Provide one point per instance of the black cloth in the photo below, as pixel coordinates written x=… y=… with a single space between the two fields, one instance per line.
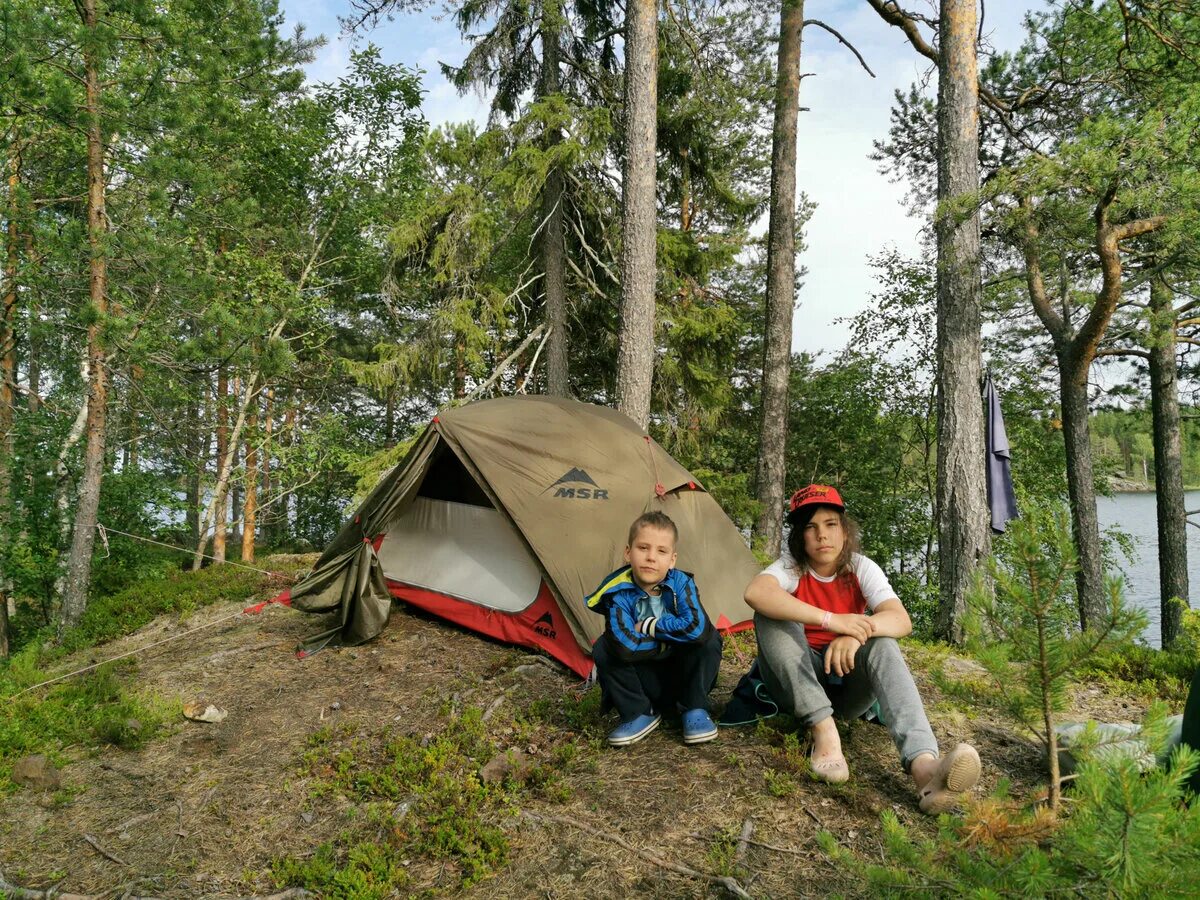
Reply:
x=750 y=701
x=1191 y=726
x=680 y=674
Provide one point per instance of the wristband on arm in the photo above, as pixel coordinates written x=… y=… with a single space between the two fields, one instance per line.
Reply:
x=825 y=620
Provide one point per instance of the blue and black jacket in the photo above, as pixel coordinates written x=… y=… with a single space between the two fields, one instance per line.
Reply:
x=683 y=622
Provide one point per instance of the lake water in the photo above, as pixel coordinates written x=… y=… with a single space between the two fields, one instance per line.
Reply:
x=1135 y=514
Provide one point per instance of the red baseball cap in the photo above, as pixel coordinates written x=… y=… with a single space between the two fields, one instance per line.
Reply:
x=815 y=495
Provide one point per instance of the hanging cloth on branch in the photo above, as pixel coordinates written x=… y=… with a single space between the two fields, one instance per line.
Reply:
x=1002 y=501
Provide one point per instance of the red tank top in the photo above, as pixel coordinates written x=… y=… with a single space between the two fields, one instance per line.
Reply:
x=840 y=596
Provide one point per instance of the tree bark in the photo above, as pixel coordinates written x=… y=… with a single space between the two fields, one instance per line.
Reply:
x=79 y=560
x=1081 y=487
x=196 y=453
x=781 y=281
x=554 y=269
x=219 y=497
x=1168 y=461
x=963 y=523
x=635 y=353
x=8 y=372
x=268 y=429
x=250 y=506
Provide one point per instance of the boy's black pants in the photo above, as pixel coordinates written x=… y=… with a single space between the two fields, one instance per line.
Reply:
x=683 y=674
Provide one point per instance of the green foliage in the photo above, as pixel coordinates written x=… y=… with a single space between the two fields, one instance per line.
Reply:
x=1022 y=628
x=96 y=708
x=88 y=711
x=427 y=797
x=364 y=871
x=1127 y=833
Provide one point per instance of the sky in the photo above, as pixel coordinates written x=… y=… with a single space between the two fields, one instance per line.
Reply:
x=859 y=212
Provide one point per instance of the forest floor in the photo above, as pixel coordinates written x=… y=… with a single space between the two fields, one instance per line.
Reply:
x=356 y=773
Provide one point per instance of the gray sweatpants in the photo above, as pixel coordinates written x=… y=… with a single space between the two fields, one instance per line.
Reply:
x=795 y=675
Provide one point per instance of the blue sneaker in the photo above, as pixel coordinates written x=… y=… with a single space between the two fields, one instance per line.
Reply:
x=633 y=731
x=698 y=727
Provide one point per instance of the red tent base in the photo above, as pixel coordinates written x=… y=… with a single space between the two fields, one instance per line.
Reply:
x=540 y=625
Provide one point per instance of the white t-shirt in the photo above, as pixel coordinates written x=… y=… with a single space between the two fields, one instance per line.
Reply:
x=872 y=582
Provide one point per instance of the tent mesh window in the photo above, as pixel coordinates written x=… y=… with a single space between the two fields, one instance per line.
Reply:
x=447 y=479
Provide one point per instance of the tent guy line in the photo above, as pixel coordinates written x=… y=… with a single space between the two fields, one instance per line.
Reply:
x=248 y=611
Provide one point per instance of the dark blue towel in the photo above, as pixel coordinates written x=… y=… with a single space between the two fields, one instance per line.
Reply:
x=1001 y=499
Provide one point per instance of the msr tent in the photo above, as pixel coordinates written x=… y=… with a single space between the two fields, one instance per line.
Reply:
x=506 y=512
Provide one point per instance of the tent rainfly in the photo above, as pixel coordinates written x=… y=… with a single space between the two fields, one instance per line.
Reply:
x=506 y=513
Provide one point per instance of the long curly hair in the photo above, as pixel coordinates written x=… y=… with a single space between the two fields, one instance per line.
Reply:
x=799 y=521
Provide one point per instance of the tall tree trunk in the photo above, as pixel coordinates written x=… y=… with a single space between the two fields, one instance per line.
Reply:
x=218 y=507
x=781 y=280
x=250 y=507
x=635 y=353
x=8 y=373
x=196 y=454
x=33 y=359
x=79 y=560
x=219 y=496
x=290 y=418
x=1168 y=461
x=963 y=523
x=1081 y=487
x=136 y=374
x=554 y=283
x=268 y=429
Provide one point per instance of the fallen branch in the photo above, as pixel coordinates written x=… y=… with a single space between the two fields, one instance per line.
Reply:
x=726 y=881
x=8 y=889
x=491 y=710
x=96 y=845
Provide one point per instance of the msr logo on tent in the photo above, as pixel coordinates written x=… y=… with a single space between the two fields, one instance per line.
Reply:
x=564 y=487
x=545 y=626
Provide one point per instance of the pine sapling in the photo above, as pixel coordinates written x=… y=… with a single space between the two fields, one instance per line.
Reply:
x=1026 y=634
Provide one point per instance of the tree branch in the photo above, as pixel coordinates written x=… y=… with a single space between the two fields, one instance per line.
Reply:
x=838 y=35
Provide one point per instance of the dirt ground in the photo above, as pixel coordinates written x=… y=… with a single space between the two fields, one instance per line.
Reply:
x=204 y=810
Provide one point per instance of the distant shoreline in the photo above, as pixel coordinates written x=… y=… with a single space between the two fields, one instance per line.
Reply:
x=1125 y=486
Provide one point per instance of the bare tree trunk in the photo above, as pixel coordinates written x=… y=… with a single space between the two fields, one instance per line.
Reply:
x=290 y=418
x=1168 y=461
x=136 y=374
x=963 y=535
x=250 y=507
x=79 y=561
x=218 y=507
x=554 y=282
x=219 y=497
x=635 y=353
x=8 y=373
x=33 y=360
x=1081 y=488
x=781 y=281
x=268 y=429
x=195 y=455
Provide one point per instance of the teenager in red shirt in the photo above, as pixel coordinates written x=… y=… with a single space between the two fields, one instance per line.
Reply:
x=827 y=621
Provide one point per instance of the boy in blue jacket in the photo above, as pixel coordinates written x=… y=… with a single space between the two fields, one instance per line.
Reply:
x=658 y=651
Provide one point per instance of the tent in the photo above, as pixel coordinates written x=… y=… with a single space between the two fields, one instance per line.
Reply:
x=506 y=512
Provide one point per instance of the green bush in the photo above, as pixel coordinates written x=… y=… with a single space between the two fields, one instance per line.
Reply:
x=95 y=708
x=1126 y=833
x=424 y=795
